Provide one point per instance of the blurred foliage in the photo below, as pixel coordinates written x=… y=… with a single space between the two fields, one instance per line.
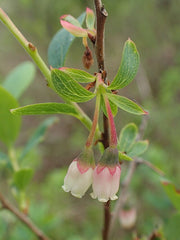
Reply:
x=154 y=26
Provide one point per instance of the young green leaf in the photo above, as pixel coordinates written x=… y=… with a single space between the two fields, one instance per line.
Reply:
x=126 y=104
x=37 y=136
x=71 y=20
x=128 y=68
x=79 y=75
x=19 y=79
x=90 y=19
x=74 y=29
x=173 y=193
x=138 y=148
x=9 y=124
x=22 y=178
x=127 y=137
x=60 y=45
x=123 y=156
x=114 y=108
x=45 y=108
x=68 y=88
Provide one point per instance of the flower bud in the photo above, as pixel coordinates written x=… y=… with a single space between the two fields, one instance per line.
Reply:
x=79 y=176
x=127 y=218
x=87 y=58
x=106 y=176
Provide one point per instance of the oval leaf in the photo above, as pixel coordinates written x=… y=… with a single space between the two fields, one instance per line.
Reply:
x=45 y=108
x=126 y=104
x=60 y=45
x=128 y=68
x=9 y=124
x=19 y=79
x=173 y=193
x=127 y=137
x=79 y=75
x=68 y=88
x=138 y=148
x=22 y=178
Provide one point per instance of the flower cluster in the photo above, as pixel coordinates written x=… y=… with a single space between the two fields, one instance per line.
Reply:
x=105 y=176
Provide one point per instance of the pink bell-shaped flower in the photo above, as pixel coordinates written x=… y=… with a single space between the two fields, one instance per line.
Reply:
x=127 y=217
x=79 y=176
x=106 y=176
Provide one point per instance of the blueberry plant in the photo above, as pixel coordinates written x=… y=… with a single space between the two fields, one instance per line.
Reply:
x=77 y=86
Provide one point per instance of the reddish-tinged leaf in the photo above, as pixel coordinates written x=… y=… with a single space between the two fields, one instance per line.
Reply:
x=74 y=30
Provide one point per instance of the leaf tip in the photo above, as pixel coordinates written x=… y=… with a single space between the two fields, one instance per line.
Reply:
x=63 y=16
x=13 y=110
x=62 y=68
x=145 y=112
x=89 y=11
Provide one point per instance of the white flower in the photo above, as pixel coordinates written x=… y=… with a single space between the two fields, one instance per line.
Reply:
x=106 y=181
x=78 y=178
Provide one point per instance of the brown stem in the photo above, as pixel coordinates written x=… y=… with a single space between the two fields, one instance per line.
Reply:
x=23 y=218
x=101 y=15
x=107 y=219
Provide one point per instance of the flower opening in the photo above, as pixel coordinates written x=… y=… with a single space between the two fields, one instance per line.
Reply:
x=106 y=176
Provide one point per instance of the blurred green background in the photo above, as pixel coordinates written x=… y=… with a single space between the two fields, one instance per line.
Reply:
x=155 y=28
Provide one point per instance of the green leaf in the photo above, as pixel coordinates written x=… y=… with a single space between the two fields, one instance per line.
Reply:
x=60 y=45
x=171 y=228
x=90 y=18
x=114 y=108
x=173 y=193
x=22 y=178
x=127 y=137
x=45 y=108
x=37 y=136
x=126 y=104
x=79 y=75
x=138 y=148
x=9 y=124
x=128 y=68
x=123 y=156
x=71 y=20
x=19 y=79
x=68 y=88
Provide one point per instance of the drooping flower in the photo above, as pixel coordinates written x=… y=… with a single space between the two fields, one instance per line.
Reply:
x=106 y=176
x=79 y=176
x=127 y=217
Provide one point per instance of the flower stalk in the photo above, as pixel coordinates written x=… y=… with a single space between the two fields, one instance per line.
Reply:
x=112 y=128
x=95 y=120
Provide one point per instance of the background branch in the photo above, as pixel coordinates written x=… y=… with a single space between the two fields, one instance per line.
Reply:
x=23 y=218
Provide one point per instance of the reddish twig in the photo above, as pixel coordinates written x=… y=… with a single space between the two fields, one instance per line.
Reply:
x=23 y=218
